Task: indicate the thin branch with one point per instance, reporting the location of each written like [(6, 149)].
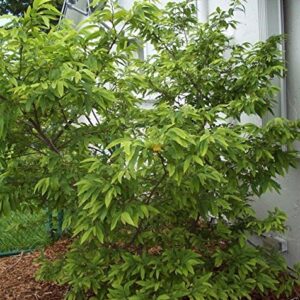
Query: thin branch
[(37, 125), (163, 161), (37, 150), (89, 120), (3, 98), (25, 154), (159, 181), (139, 229), (155, 188), (42, 136), (10, 267), (189, 77), (102, 152), (62, 112), (21, 60), (59, 134), (116, 36), (95, 116)]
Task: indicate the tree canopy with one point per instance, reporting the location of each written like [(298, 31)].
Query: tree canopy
[(158, 201), (16, 7)]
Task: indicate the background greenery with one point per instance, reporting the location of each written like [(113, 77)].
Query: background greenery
[(16, 7), (23, 231)]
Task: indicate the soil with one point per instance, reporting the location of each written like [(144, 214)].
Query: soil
[(17, 281), (295, 296)]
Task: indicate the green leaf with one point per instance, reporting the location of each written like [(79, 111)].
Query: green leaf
[(46, 21), (116, 142), (179, 132), (126, 218), (109, 197), (106, 94), (163, 297), (99, 234), (86, 236), (186, 164), (203, 148), (42, 185), (115, 220), (171, 169), (60, 88), (38, 3), (198, 160), (145, 211), (77, 77)]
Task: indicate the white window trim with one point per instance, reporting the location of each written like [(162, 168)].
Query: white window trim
[(264, 33)]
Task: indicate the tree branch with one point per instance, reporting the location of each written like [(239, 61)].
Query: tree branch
[(21, 60), (189, 76), (139, 229), (41, 135), (3, 98), (62, 112), (95, 116), (89, 120), (59, 134)]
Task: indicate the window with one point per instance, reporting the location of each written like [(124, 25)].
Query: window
[(282, 17), (77, 10)]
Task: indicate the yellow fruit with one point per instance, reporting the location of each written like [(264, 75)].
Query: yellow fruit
[(156, 148)]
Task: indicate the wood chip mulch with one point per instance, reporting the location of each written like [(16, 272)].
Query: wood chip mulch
[(17, 273)]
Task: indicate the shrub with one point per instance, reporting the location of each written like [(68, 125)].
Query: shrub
[(158, 200)]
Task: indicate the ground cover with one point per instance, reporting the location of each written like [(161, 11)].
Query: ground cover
[(17, 276)]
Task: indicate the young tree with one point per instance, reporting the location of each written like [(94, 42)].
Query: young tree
[(158, 201)]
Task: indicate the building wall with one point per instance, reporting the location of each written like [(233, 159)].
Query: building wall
[(252, 28), (257, 23), (74, 15)]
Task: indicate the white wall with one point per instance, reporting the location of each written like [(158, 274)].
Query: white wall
[(252, 28), (289, 199), (4, 21), (75, 15)]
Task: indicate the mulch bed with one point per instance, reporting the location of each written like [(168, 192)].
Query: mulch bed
[(17, 280), (272, 297)]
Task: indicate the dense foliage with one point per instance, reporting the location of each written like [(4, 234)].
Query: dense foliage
[(17, 7), (158, 200)]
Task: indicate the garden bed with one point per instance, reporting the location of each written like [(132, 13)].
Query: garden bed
[(17, 281), (17, 278)]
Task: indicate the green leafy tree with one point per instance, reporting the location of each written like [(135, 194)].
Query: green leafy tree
[(16, 7), (158, 201)]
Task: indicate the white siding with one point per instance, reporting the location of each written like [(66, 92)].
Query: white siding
[(257, 24)]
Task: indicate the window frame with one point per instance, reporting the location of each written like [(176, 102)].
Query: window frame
[(267, 29)]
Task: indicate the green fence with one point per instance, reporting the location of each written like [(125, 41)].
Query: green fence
[(25, 231)]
